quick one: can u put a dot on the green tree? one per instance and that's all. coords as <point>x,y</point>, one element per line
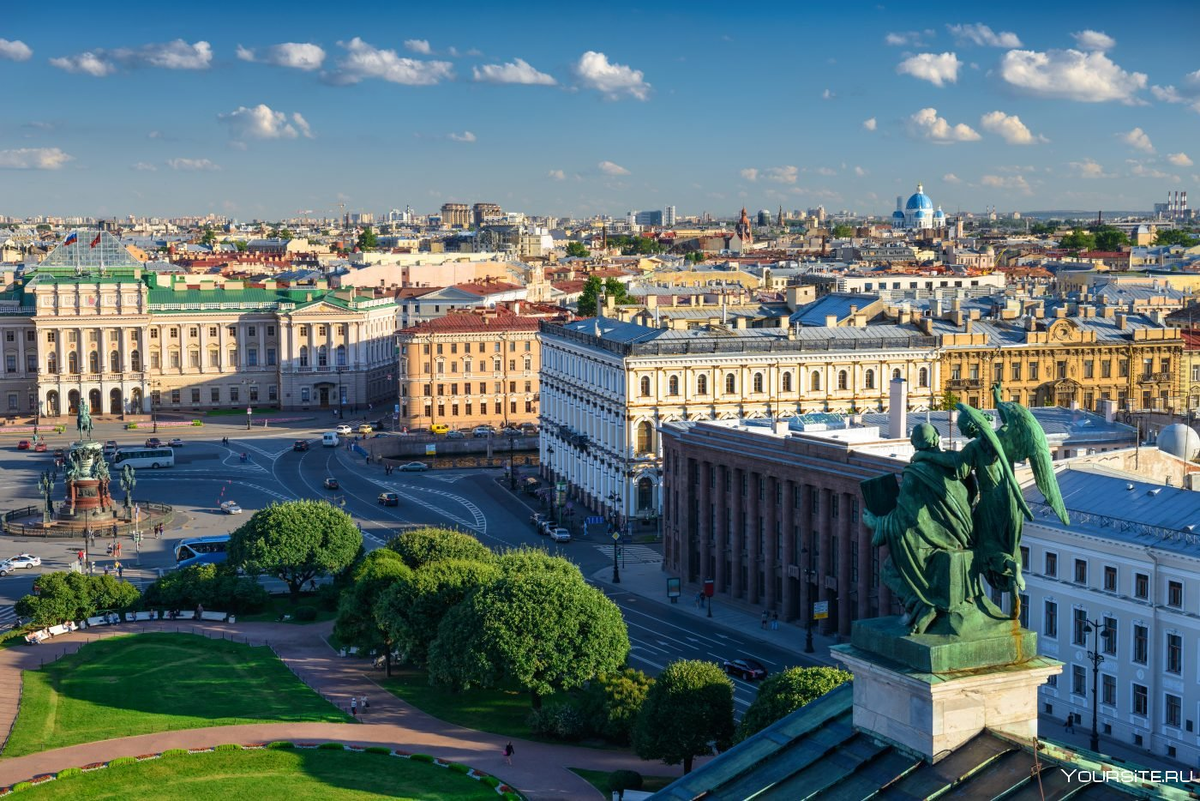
<point>615,288</point>
<point>523,560</point>
<point>215,586</point>
<point>296,542</point>
<point>421,546</point>
<point>784,693</point>
<point>240,244</point>
<point>367,240</point>
<point>410,611</point>
<point>842,231</point>
<point>947,402</point>
<point>1043,229</point>
<point>1109,239</point>
<point>689,706</point>
<point>1173,236</point>
<point>209,236</point>
<point>589,297</point>
<point>63,596</point>
<point>610,704</point>
<point>356,624</point>
<point>545,631</point>
<point>285,233</point>
<point>694,256</point>
<point>1078,240</point>
<point>577,250</point>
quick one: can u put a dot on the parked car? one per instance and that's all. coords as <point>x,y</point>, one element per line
<point>529,429</point>
<point>23,445</point>
<point>365,428</point>
<point>414,467</point>
<point>300,445</point>
<point>536,519</point>
<point>343,429</point>
<point>154,442</point>
<point>560,534</point>
<point>439,428</point>
<point>39,448</point>
<point>388,499</point>
<point>482,431</point>
<point>547,526</point>
<point>455,435</point>
<point>110,445</point>
<point>744,668</point>
<point>510,432</point>
<point>331,484</point>
<point>231,508</point>
<point>175,442</point>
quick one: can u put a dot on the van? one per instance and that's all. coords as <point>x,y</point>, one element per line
<point>329,439</point>
<point>439,428</point>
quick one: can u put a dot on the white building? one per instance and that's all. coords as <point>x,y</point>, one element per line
<point>918,213</point>
<point>1130,561</point>
<point>608,386</point>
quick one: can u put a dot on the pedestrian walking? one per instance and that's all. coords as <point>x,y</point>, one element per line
<point>80,555</point>
<point>106,570</point>
<point>774,621</point>
<point>763,622</point>
<point>120,570</point>
<point>354,706</point>
<point>364,703</point>
<point>508,753</point>
<point>1069,726</point>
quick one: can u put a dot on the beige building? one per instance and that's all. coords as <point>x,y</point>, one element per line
<point>469,368</point>
<point>456,215</point>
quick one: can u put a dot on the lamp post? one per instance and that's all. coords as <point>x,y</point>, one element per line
<point>1094,626</point>
<point>512,465</point>
<point>615,500</point>
<point>154,390</point>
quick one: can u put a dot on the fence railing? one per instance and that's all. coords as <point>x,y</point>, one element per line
<point>101,526</point>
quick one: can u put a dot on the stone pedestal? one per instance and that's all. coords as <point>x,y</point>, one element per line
<point>931,714</point>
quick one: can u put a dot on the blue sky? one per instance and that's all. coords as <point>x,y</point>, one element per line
<point>260,110</point>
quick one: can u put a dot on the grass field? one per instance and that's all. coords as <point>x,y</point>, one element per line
<point>599,780</point>
<point>147,683</point>
<point>497,711</point>
<point>282,604</point>
<point>300,775</point>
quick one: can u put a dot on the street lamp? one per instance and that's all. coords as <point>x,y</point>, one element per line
<point>154,391</point>
<point>615,500</point>
<point>1094,626</point>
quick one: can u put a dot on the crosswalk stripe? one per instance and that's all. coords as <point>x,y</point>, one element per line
<point>638,554</point>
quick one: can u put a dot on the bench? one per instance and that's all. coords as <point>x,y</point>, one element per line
<point>218,617</point>
<point>134,617</point>
<point>36,637</point>
<point>62,628</point>
<point>350,651</point>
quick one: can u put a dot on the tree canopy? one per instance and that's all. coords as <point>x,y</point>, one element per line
<point>356,624</point>
<point>689,706</point>
<point>367,239</point>
<point>63,596</point>
<point>296,541</point>
<point>421,546</point>
<point>577,250</point>
<point>842,231</point>
<point>787,691</point>
<point>1109,238</point>
<point>594,287</point>
<point>1173,236</point>
<point>1078,240</point>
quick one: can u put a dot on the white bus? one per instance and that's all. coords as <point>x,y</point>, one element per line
<point>144,457</point>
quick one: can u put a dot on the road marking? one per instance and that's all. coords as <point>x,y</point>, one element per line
<point>637,554</point>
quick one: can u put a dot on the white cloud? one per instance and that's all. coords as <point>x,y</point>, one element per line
<point>465,136</point>
<point>85,64</point>
<point>1179,159</point>
<point>516,71</point>
<point>144,166</point>
<point>1189,94</point>
<point>1070,75</point>
<point>1013,182</point>
<point>750,174</point>
<point>1094,40</point>
<point>1138,140</point>
<point>1142,171</point>
<point>419,46</point>
<point>938,69</point>
<point>364,61</point>
<point>926,124</point>
<point>860,172</point>
<point>34,158</point>
<point>262,122</point>
<point>1010,127</point>
<point>174,55</point>
<point>951,178</point>
<point>907,38</point>
<point>1088,168</point>
<point>828,95</point>
<point>1167,94</point>
<point>870,124</point>
<point>595,71</point>
<point>786,174</point>
<point>193,165</point>
<point>15,50</point>
<point>296,55</point>
<point>980,34</point>
<point>557,175</point>
<point>825,171</point>
<point>302,125</point>
<point>609,168</point>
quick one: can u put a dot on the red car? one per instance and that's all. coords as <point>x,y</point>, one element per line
<point>154,442</point>
<point>39,448</point>
<point>23,445</point>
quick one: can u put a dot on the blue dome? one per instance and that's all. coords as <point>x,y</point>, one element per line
<point>939,214</point>
<point>897,214</point>
<point>920,215</point>
<point>919,201</point>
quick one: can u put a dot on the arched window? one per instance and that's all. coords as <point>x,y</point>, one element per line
<point>93,362</point>
<point>135,361</point>
<point>869,379</point>
<point>673,385</point>
<point>896,373</point>
<point>814,381</point>
<point>323,356</point>
<point>341,355</point>
<point>758,382</point>
<point>645,495</point>
<point>114,362</point>
<point>304,355</point>
<point>645,437</point>
<point>842,379</point>
<point>72,362</point>
<point>923,377</point>
<point>52,362</point>
<point>730,384</point>
<point>645,386</point>
<point>702,385</point>
<point>787,382</point>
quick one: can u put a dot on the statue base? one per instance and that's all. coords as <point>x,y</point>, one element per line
<point>932,714</point>
<point>992,643</point>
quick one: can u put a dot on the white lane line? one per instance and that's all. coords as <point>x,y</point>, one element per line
<point>688,632</point>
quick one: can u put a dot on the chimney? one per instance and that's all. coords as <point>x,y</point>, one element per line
<point>782,427</point>
<point>831,321</point>
<point>1121,318</point>
<point>898,411</point>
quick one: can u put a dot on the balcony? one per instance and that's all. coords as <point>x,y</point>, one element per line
<point>965,383</point>
<point>1156,378</point>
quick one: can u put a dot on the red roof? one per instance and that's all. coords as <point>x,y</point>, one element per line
<point>1191,339</point>
<point>466,322</point>
<point>487,287</point>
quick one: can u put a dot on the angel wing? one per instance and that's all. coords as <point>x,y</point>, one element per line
<point>984,426</point>
<point>1024,439</point>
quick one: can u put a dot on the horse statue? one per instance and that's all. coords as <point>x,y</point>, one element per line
<point>83,421</point>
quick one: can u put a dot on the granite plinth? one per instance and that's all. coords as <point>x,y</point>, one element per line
<point>1000,642</point>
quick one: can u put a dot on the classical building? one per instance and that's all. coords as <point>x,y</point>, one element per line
<point>918,213</point>
<point>469,368</point>
<point>1093,356</point>
<point>89,322</point>
<point>609,386</point>
<point>456,215</point>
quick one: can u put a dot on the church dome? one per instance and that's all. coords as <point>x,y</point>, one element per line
<point>898,215</point>
<point>920,200</point>
<point>1179,440</point>
<point>920,215</point>
<point>939,214</point>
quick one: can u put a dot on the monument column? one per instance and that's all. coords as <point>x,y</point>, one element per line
<point>865,579</point>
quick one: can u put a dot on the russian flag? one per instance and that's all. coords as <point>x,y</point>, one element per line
<point>71,239</point>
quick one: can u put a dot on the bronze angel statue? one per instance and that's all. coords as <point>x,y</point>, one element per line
<point>957,517</point>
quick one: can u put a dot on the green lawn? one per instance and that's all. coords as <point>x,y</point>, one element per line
<point>599,780</point>
<point>497,711</point>
<point>282,604</point>
<point>147,683</point>
<point>300,775</point>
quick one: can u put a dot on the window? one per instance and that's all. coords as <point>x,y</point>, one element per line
<point>1141,644</point>
<point>842,379</point>
<point>1050,620</point>
<point>304,355</point>
<point>1175,594</point>
<point>51,337</point>
<point>815,381</point>
<point>194,332</point>
<point>1123,368</point>
<point>10,363</point>
<point>252,357</point>
<point>923,377</point>
<point>174,396</point>
<point>1108,636</point>
<point>645,437</point>
<point>730,384</point>
<point>1081,567</point>
<point>173,358</point>
<point>758,382</point>
<point>1078,680</point>
<point>1110,578</point>
<point>1024,613</point>
<point>196,395</point>
<point>305,394</point>
<point>1089,368</point>
<point>216,394</point>
<point>1108,689</point>
<point>322,356</point>
<point>702,385</point>
<point>1016,371</point>
<point>270,357</point>
<point>1051,564</point>
<point>233,394</point>
<point>194,359</point>
<point>673,385</point>
<point>214,358</point>
<point>1140,705</point>
<point>1174,654</point>
<point>253,394</point>
<point>869,379</point>
<point>1033,371</point>
<point>1141,586</point>
<point>1106,368</point>
<point>787,382</point>
<point>1174,711</point>
<point>272,391</point>
<point>1079,626</point>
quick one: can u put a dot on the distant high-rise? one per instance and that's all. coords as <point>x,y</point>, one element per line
<point>482,211</point>
<point>764,218</point>
<point>669,216</point>
<point>648,218</point>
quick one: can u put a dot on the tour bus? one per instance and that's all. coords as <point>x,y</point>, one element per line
<point>144,457</point>
<point>329,439</point>
<point>206,549</point>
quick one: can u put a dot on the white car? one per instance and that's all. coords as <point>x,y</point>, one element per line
<point>560,534</point>
<point>25,560</point>
<point>344,429</point>
<point>231,508</point>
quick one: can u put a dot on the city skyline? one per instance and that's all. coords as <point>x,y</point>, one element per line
<point>279,110</point>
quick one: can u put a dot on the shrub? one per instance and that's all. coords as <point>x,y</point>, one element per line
<point>491,781</point>
<point>305,614</point>
<point>787,691</point>
<point>378,749</point>
<point>122,761</point>
<point>422,758</point>
<point>19,786</point>
<point>214,586</point>
<point>621,780</point>
<point>327,596</point>
<point>281,745</point>
<point>228,747</point>
<point>176,752</point>
<point>610,703</point>
<point>331,747</point>
<point>559,721</point>
<point>67,773</point>
<point>459,767</point>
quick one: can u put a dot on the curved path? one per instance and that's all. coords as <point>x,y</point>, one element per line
<point>539,769</point>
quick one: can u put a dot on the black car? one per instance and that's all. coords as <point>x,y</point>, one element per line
<point>389,499</point>
<point>331,483</point>
<point>300,445</point>
<point>748,669</point>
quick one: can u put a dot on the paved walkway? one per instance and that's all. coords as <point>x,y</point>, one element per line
<point>539,769</point>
